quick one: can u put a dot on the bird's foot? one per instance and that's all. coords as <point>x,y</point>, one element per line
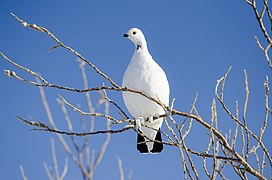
<point>153,118</point>
<point>138,123</point>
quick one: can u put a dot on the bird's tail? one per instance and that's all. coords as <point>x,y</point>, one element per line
<point>143,148</point>
<point>157,146</point>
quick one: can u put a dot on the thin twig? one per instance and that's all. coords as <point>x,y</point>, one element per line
<point>87,114</point>
<point>240,124</point>
<point>121,169</point>
<point>54,158</point>
<point>42,127</point>
<point>23,173</point>
<point>244,114</point>
<point>107,140</point>
<point>44,30</point>
<point>65,169</point>
<point>50,177</point>
<point>191,120</point>
<point>219,137</point>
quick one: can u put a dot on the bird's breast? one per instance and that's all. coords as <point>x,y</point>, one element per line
<point>146,76</point>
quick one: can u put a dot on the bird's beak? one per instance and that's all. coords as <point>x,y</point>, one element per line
<point>125,35</point>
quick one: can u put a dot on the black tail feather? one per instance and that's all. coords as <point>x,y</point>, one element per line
<point>157,147</point>
<point>141,146</point>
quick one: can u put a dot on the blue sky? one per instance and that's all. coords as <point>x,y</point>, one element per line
<point>194,41</point>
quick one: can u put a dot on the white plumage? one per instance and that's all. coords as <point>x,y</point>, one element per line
<point>144,74</point>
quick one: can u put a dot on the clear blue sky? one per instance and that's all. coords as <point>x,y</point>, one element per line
<point>194,41</point>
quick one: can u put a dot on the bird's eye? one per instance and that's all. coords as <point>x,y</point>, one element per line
<point>134,32</point>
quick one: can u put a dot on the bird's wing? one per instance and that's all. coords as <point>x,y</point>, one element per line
<point>157,84</point>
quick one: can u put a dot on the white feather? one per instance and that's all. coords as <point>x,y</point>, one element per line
<point>144,74</point>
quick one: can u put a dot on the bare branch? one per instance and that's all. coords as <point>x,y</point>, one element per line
<point>185,165</point>
<point>120,166</point>
<point>116,105</point>
<point>54,158</point>
<point>42,127</point>
<point>52,175</point>
<point>24,69</point>
<point>244,115</point>
<point>237,120</point>
<point>23,173</point>
<point>88,114</point>
<point>266,86</point>
<point>191,120</point>
<point>212,156</point>
<point>48,171</point>
<point>236,126</point>
<point>260,19</point>
<point>129,175</point>
<point>88,96</point>
<point>65,169</point>
<point>239,162</point>
<point>61,44</point>
<point>106,142</point>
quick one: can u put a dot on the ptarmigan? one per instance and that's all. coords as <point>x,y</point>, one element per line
<point>145,75</point>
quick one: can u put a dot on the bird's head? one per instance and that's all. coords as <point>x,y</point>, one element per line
<point>136,36</point>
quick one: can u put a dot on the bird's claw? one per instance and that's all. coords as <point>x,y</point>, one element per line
<point>138,123</point>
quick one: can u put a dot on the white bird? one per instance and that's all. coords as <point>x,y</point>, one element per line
<point>145,75</point>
